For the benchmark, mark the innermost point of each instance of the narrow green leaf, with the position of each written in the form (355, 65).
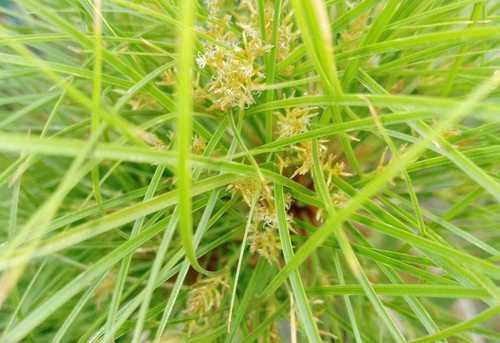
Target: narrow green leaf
(301, 301)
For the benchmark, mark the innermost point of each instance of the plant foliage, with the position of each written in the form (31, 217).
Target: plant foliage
(252, 170)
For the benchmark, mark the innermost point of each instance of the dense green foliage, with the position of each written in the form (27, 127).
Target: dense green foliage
(254, 170)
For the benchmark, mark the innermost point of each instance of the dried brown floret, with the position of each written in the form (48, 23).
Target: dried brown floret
(198, 145)
(168, 78)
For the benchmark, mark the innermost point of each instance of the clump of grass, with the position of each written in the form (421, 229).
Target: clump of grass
(237, 171)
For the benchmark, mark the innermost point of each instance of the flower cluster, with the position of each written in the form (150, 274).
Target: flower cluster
(300, 157)
(230, 59)
(286, 34)
(295, 121)
(333, 168)
(355, 32)
(206, 295)
(247, 188)
(300, 160)
(263, 236)
(265, 242)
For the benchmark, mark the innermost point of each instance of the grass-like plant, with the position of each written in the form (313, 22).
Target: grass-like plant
(254, 170)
